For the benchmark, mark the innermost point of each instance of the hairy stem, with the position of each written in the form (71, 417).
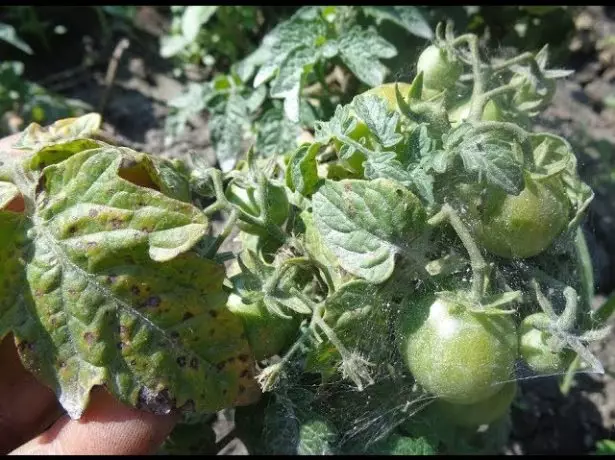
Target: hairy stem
(480, 267)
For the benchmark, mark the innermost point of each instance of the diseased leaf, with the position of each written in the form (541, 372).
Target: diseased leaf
(35, 137)
(227, 131)
(106, 291)
(382, 122)
(276, 134)
(493, 162)
(361, 50)
(287, 84)
(365, 224)
(408, 17)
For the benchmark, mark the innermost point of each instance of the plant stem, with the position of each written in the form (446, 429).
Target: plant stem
(226, 231)
(478, 263)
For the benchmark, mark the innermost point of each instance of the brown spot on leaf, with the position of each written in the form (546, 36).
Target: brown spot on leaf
(89, 337)
(187, 316)
(194, 363)
(116, 223)
(72, 229)
(153, 301)
(133, 362)
(220, 365)
(241, 389)
(181, 361)
(213, 313)
(135, 289)
(244, 374)
(243, 358)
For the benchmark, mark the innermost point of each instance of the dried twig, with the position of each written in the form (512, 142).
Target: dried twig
(123, 44)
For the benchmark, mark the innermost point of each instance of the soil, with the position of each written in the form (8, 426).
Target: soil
(544, 421)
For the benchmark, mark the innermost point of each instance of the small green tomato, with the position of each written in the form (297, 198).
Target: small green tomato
(439, 72)
(523, 225)
(267, 334)
(535, 350)
(458, 356)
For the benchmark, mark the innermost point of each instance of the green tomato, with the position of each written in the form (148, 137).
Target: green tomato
(491, 112)
(456, 355)
(535, 350)
(267, 334)
(387, 92)
(481, 413)
(439, 72)
(524, 225)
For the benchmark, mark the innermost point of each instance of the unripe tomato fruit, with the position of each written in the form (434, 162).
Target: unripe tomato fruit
(536, 352)
(491, 112)
(438, 71)
(481, 413)
(458, 356)
(524, 225)
(267, 334)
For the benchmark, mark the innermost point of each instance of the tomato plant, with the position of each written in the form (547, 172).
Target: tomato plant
(384, 264)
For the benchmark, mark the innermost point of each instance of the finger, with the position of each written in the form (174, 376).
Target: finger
(107, 427)
(27, 407)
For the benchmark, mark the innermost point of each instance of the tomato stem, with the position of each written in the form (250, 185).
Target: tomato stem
(480, 268)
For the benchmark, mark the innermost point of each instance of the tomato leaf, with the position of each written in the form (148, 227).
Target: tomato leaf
(194, 17)
(276, 134)
(227, 130)
(492, 161)
(105, 290)
(361, 50)
(301, 172)
(365, 224)
(408, 17)
(35, 137)
(379, 119)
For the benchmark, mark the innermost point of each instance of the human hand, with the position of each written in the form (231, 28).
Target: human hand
(32, 420)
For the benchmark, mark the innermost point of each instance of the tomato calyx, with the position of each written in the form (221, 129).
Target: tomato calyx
(548, 343)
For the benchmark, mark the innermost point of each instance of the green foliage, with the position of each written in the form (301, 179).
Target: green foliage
(297, 53)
